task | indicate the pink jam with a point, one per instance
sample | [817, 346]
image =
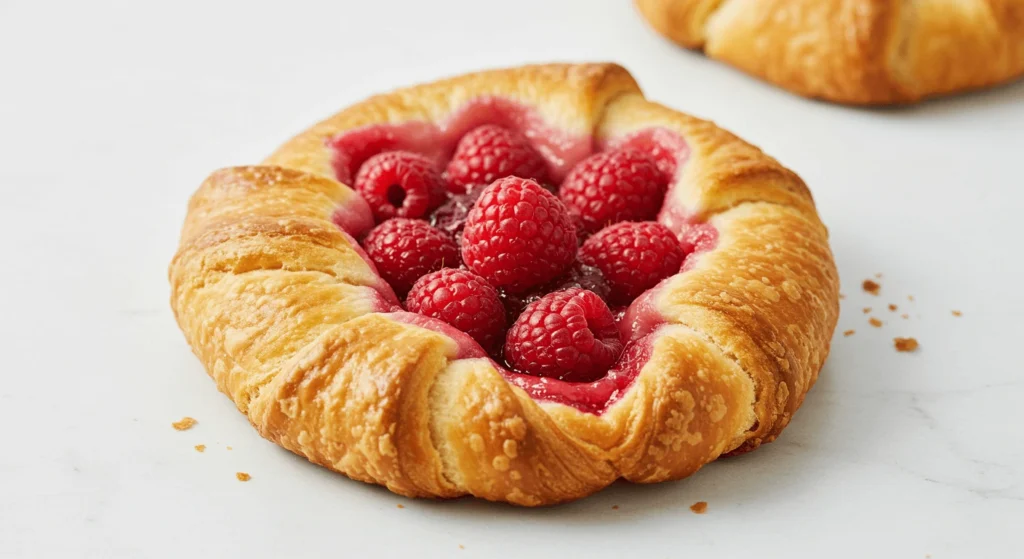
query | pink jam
[561, 150]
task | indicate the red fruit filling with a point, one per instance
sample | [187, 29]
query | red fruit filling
[522, 244]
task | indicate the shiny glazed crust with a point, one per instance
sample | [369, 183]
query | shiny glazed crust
[854, 51]
[277, 303]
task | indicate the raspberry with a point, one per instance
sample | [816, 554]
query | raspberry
[580, 275]
[614, 186]
[633, 257]
[464, 300]
[570, 335]
[400, 184]
[404, 249]
[450, 217]
[518, 235]
[487, 153]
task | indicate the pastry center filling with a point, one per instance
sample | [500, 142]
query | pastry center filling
[522, 243]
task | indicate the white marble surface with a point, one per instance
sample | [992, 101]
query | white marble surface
[110, 116]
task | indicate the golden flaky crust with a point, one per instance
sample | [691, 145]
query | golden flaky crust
[854, 51]
[285, 314]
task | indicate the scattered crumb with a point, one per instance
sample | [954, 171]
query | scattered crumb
[957, 313]
[184, 424]
[905, 344]
[841, 296]
[875, 322]
[892, 307]
[401, 506]
[871, 287]
[867, 310]
[700, 507]
[849, 333]
[200, 448]
[229, 448]
[615, 507]
[910, 298]
[904, 316]
[878, 275]
[242, 476]
[462, 546]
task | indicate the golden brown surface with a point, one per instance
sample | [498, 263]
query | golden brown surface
[854, 51]
[282, 311]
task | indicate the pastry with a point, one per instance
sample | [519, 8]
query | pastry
[517, 284]
[862, 52]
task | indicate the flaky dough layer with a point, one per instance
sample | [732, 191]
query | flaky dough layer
[860, 52]
[286, 316]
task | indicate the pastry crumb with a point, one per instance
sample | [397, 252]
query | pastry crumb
[905, 344]
[462, 546]
[867, 310]
[910, 298]
[957, 313]
[229, 448]
[871, 287]
[700, 507]
[200, 448]
[615, 507]
[841, 296]
[849, 333]
[892, 307]
[401, 506]
[184, 423]
[904, 316]
[875, 322]
[878, 275]
[242, 476]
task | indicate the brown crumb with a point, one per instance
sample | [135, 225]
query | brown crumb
[242, 476]
[875, 322]
[849, 333]
[892, 307]
[615, 507]
[184, 424]
[957, 313]
[910, 298]
[700, 507]
[200, 448]
[904, 316]
[229, 448]
[867, 310]
[905, 344]
[871, 287]
[401, 506]
[841, 296]
[462, 546]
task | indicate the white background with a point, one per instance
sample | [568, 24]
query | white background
[111, 115]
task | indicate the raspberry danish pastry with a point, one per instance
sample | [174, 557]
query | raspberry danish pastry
[517, 284]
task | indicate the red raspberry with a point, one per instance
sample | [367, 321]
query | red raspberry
[400, 184]
[614, 186]
[487, 153]
[570, 335]
[518, 235]
[633, 257]
[404, 249]
[464, 300]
